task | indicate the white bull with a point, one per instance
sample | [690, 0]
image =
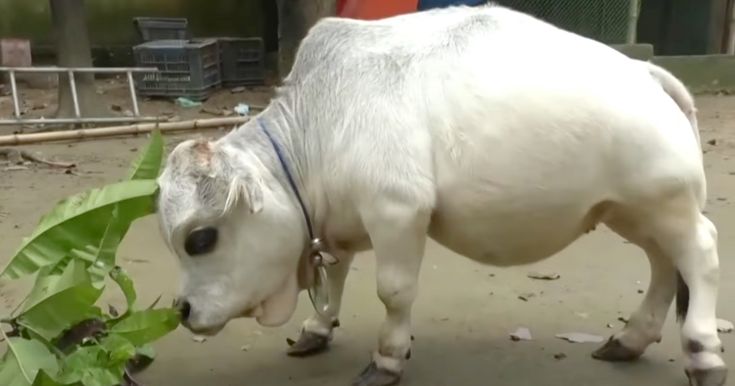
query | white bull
[496, 134]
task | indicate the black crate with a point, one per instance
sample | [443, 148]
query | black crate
[161, 28]
[187, 68]
[242, 61]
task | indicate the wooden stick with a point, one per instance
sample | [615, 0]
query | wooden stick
[22, 139]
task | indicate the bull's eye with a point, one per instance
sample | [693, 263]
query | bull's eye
[200, 241]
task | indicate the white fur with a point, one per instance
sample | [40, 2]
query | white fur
[498, 135]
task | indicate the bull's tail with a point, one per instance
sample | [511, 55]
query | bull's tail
[681, 96]
[678, 92]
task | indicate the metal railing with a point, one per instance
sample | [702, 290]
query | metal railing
[78, 118]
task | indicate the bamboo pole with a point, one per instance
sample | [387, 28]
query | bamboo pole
[23, 139]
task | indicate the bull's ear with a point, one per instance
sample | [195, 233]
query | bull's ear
[249, 189]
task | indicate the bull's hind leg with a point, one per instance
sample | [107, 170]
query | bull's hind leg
[645, 324]
[316, 332]
[677, 238]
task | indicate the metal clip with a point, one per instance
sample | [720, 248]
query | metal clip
[320, 257]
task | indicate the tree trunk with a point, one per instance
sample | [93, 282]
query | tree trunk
[295, 17]
[73, 50]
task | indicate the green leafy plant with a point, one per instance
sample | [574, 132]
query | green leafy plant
[58, 335]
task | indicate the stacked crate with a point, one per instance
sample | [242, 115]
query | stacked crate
[193, 68]
[186, 68]
[241, 61]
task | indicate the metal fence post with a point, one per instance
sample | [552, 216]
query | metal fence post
[633, 10]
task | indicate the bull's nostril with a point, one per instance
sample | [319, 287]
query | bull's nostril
[184, 309]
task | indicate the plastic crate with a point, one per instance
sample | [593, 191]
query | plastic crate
[242, 61]
[187, 68]
[161, 28]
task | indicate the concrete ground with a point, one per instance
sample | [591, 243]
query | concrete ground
[462, 318]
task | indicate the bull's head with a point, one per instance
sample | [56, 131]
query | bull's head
[236, 233]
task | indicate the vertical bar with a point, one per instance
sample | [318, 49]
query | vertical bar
[74, 98]
[131, 85]
[731, 30]
[14, 91]
[632, 34]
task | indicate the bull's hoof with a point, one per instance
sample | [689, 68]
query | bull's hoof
[709, 377]
[614, 351]
[373, 376]
[308, 344]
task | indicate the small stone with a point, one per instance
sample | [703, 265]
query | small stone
[115, 107]
[672, 360]
[721, 198]
[640, 291]
[38, 106]
[245, 348]
[712, 142]
[610, 325]
[623, 319]
[544, 276]
[198, 339]
[237, 90]
[210, 111]
[522, 333]
[491, 274]
[560, 356]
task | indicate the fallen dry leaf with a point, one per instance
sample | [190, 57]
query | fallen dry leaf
[580, 337]
[544, 276]
[522, 333]
[724, 326]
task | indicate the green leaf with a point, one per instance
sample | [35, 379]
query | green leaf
[43, 379]
[24, 359]
[58, 302]
[149, 161]
[80, 221]
[104, 253]
[119, 349]
[126, 285]
[91, 366]
[143, 327]
[147, 351]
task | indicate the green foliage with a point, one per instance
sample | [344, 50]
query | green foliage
[60, 337]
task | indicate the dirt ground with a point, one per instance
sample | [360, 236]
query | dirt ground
[464, 313]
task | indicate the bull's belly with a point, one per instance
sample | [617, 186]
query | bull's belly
[505, 231]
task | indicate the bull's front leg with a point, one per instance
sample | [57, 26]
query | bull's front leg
[398, 235]
[316, 332]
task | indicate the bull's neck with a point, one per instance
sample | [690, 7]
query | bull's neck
[293, 142]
